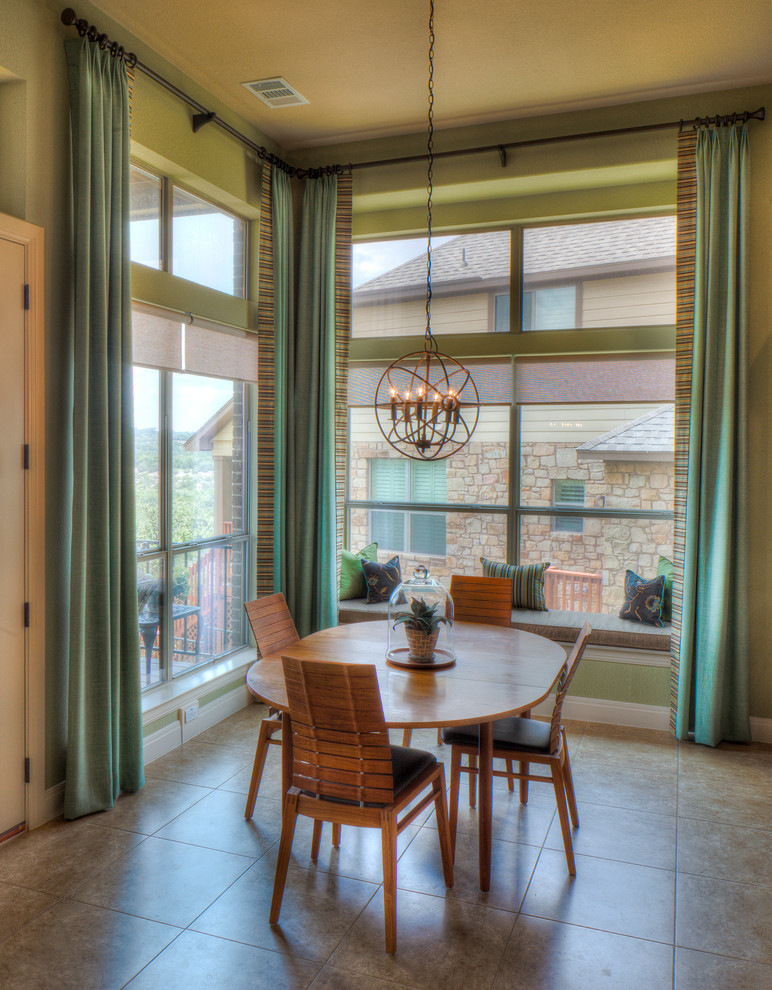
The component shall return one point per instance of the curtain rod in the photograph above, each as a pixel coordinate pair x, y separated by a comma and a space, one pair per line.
203, 116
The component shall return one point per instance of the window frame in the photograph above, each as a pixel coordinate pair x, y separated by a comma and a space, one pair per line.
513, 344
166, 222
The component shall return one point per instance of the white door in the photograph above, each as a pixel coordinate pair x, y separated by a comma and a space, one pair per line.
12, 530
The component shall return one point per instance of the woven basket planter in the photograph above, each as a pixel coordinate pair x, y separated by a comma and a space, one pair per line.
421, 644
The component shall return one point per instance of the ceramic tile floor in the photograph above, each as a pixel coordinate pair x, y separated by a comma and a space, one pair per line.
171, 888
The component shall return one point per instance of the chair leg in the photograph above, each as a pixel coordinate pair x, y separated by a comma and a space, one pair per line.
565, 827
511, 775
439, 737
407, 735
285, 848
455, 779
472, 781
568, 783
524, 769
316, 840
267, 728
336, 835
389, 849
443, 827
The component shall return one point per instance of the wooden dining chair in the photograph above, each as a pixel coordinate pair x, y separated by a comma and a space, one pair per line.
344, 771
526, 741
477, 599
274, 631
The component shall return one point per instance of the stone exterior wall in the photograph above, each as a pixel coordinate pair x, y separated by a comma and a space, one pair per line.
479, 474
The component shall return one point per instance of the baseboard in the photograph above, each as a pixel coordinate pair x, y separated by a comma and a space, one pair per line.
161, 742
215, 712
761, 729
171, 736
639, 716
610, 712
54, 803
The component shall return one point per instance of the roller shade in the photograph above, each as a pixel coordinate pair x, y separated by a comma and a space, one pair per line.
180, 342
596, 378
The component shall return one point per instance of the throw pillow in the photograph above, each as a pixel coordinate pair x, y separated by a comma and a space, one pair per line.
381, 579
352, 580
527, 582
643, 599
665, 567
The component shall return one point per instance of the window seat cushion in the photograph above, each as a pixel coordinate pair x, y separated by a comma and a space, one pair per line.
607, 630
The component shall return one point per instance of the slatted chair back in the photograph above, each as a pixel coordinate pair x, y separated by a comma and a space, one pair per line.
482, 599
271, 623
565, 679
340, 744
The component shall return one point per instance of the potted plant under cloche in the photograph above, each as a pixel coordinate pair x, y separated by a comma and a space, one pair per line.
422, 627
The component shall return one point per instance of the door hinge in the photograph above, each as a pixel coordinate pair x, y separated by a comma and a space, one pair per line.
26, 615
26, 457
26, 295
26, 770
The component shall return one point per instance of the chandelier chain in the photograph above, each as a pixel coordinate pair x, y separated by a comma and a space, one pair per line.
429, 342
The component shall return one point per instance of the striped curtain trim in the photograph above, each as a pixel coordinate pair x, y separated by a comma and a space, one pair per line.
130, 82
342, 338
266, 391
685, 254
527, 582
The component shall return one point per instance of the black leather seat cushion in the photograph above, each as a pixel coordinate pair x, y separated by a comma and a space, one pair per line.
406, 766
514, 733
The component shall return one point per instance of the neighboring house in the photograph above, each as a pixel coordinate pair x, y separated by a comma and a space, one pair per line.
629, 466
575, 276
216, 435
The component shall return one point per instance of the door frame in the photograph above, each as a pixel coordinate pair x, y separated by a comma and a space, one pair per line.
31, 237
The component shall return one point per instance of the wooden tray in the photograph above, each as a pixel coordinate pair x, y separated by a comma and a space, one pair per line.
400, 658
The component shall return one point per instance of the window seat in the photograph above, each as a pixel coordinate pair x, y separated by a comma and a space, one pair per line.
607, 630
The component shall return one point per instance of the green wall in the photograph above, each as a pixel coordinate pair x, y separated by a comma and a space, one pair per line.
597, 177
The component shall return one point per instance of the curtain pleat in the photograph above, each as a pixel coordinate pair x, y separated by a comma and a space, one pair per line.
311, 537
303, 379
712, 686
104, 727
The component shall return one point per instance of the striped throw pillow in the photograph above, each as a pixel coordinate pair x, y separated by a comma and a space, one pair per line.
527, 582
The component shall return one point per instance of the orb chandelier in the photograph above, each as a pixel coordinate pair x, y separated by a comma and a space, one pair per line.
426, 403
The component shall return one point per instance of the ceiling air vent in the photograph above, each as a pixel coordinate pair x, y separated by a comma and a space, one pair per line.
275, 93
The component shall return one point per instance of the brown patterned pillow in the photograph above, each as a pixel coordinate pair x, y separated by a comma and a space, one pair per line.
381, 579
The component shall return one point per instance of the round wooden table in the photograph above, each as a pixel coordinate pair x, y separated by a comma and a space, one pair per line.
499, 671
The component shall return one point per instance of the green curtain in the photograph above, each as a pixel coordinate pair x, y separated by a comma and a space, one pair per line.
104, 729
712, 691
283, 288
309, 554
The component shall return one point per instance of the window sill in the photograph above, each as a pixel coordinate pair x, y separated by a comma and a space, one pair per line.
183, 691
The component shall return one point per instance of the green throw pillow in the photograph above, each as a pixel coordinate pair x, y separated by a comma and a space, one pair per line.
527, 582
352, 579
665, 567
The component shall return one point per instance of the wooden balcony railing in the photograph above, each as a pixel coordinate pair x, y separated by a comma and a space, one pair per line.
573, 591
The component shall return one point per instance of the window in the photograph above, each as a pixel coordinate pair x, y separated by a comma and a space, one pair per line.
201, 241
393, 480
145, 192
191, 426
470, 285
549, 309
572, 459
501, 313
566, 493
622, 274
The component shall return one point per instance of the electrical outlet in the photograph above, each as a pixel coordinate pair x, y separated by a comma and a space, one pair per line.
188, 714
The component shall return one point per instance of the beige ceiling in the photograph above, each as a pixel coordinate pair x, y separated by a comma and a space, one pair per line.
362, 64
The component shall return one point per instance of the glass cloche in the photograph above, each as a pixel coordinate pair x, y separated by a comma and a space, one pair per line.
420, 622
